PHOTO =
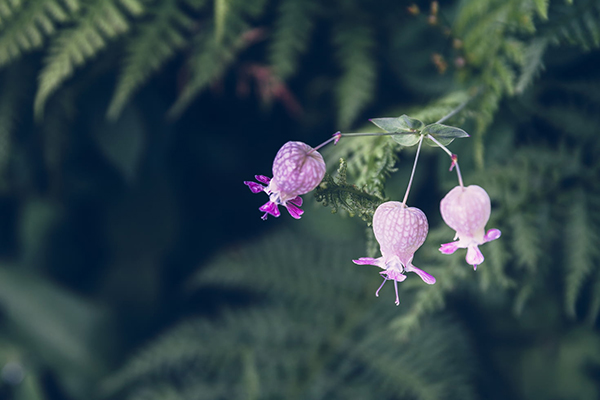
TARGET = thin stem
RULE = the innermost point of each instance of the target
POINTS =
(453, 112)
(412, 174)
(453, 157)
(331, 139)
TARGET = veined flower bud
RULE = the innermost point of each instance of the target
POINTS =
(297, 169)
(467, 211)
(400, 231)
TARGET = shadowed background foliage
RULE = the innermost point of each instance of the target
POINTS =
(133, 261)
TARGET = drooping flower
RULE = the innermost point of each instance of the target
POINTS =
(297, 169)
(400, 231)
(467, 210)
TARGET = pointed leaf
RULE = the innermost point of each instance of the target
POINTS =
(443, 133)
(401, 124)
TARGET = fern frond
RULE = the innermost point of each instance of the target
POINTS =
(210, 59)
(156, 41)
(577, 25)
(581, 248)
(338, 194)
(532, 64)
(291, 33)
(370, 160)
(541, 6)
(594, 308)
(31, 24)
(14, 84)
(102, 21)
(355, 44)
(8, 8)
(526, 240)
(298, 343)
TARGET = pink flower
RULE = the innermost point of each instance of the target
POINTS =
(467, 210)
(297, 169)
(400, 231)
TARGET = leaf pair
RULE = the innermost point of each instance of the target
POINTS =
(409, 131)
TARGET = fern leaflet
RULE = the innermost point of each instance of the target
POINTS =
(30, 25)
(156, 42)
(291, 33)
(102, 21)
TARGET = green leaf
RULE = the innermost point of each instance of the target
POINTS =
(403, 123)
(442, 133)
(407, 139)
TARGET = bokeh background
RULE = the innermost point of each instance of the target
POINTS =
(133, 260)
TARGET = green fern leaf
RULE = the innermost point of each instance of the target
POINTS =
(290, 35)
(338, 194)
(579, 25)
(581, 241)
(101, 22)
(8, 8)
(541, 6)
(526, 240)
(30, 25)
(354, 50)
(298, 343)
(532, 65)
(155, 43)
(207, 65)
(594, 308)
(221, 9)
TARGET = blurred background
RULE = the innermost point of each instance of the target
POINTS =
(133, 260)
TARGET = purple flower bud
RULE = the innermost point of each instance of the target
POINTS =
(297, 169)
(467, 210)
(400, 231)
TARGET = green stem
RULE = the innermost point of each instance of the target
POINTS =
(453, 157)
(412, 174)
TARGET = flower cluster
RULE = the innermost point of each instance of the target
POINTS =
(400, 230)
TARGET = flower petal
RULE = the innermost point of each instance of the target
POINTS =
(369, 261)
(492, 234)
(427, 278)
(449, 248)
(262, 178)
(294, 211)
(296, 200)
(270, 208)
(474, 256)
(254, 187)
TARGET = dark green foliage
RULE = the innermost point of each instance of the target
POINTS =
(105, 197)
(296, 344)
(338, 194)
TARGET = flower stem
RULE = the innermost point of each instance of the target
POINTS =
(453, 157)
(412, 174)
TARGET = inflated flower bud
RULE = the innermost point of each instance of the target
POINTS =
(297, 169)
(400, 231)
(467, 210)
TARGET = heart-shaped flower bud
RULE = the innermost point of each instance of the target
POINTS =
(467, 210)
(297, 169)
(400, 231)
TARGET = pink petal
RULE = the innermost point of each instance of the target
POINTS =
(427, 278)
(294, 211)
(270, 208)
(365, 261)
(296, 200)
(474, 256)
(262, 178)
(492, 234)
(449, 248)
(254, 187)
